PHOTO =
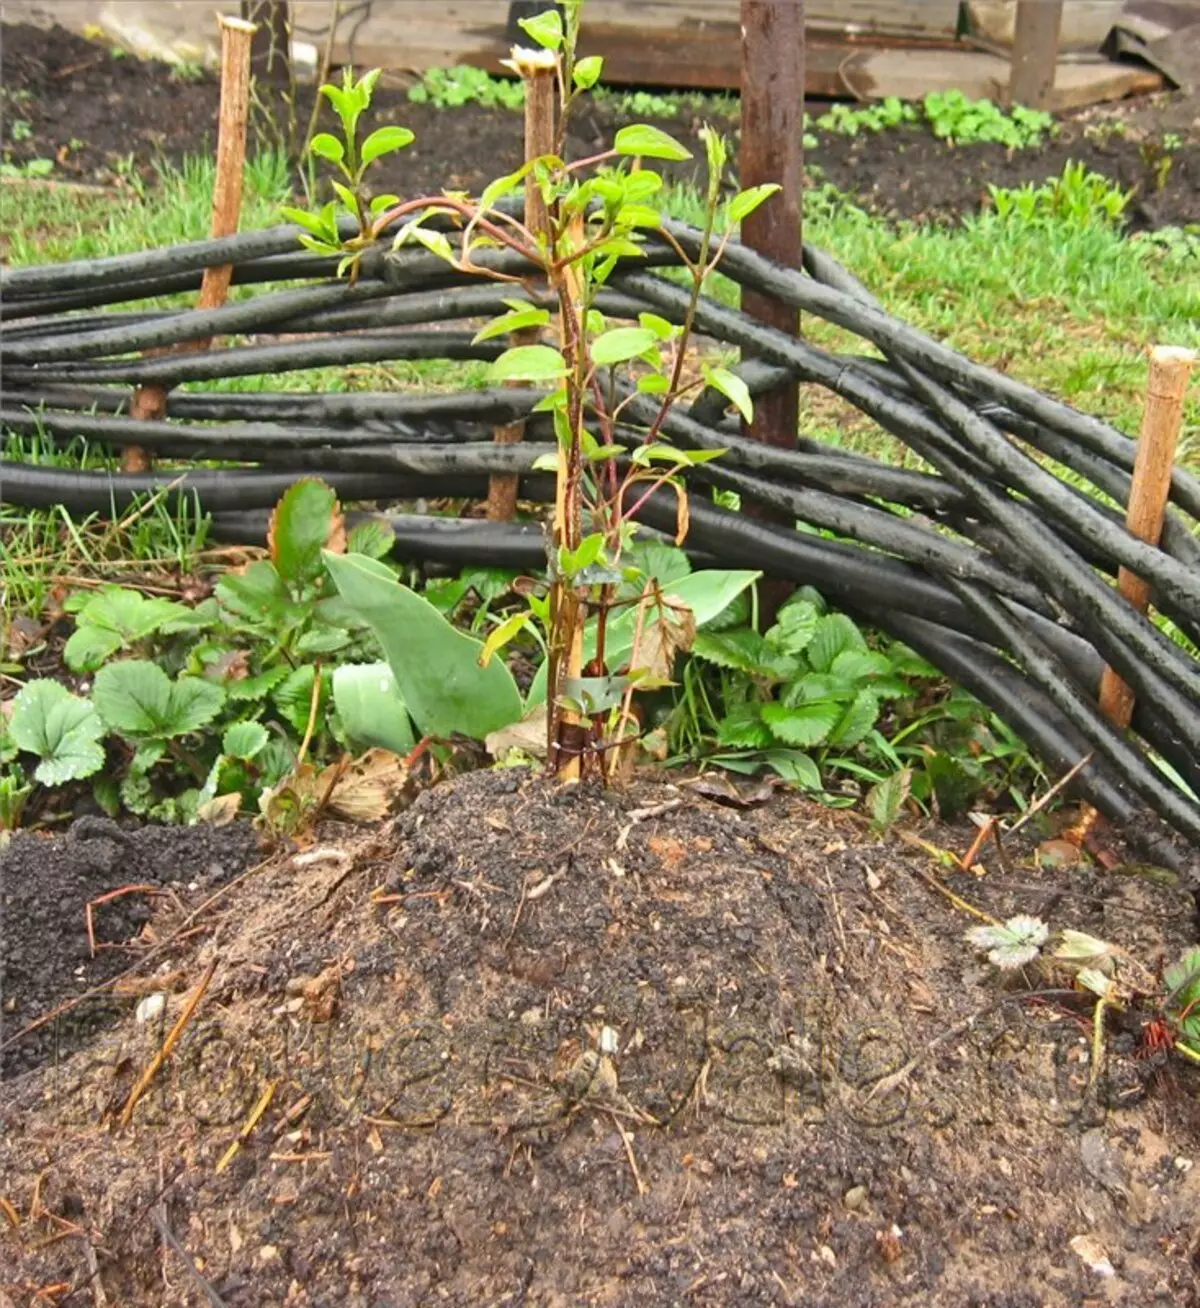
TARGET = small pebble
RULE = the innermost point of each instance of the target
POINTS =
(855, 1197)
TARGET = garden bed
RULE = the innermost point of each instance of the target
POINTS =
(419, 1011)
(94, 115)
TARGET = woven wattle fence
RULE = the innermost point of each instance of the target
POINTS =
(994, 567)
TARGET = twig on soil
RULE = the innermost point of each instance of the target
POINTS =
(627, 1141)
(159, 1218)
(93, 1266)
(104, 899)
(641, 814)
(168, 1044)
(956, 900)
(251, 1122)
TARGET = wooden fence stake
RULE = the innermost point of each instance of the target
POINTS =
(1166, 391)
(1035, 53)
(540, 90)
(236, 38)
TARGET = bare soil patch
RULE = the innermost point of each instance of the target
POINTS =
(533, 1046)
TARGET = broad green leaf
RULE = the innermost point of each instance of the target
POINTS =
(733, 388)
(546, 28)
(138, 699)
(744, 729)
(805, 725)
(530, 316)
(745, 202)
(113, 619)
(323, 640)
(244, 739)
(653, 383)
(436, 666)
(61, 729)
(256, 596)
(250, 689)
(587, 72)
(383, 140)
(529, 363)
(835, 632)
(795, 626)
(316, 224)
(371, 709)
(742, 649)
(89, 647)
(383, 202)
(328, 147)
(622, 343)
(650, 142)
(860, 665)
(306, 520)
(659, 326)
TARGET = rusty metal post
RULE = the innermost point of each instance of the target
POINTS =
(1035, 53)
(772, 151)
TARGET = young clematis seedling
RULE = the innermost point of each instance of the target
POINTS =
(589, 215)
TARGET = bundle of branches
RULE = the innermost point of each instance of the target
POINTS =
(995, 567)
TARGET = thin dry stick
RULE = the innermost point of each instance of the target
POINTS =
(159, 1217)
(150, 402)
(251, 1122)
(1036, 807)
(538, 71)
(168, 1045)
(1166, 390)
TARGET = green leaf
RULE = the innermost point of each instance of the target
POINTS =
(384, 140)
(742, 649)
(886, 798)
(328, 147)
(857, 720)
(323, 640)
(834, 633)
(314, 223)
(659, 326)
(530, 316)
(794, 767)
(244, 739)
(546, 28)
(532, 363)
(650, 142)
(139, 700)
(436, 666)
(304, 521)
(371, 708)
(250, 689)
(89, 647)
(294, 695)
(383, 202)
(805, 725)
(860, 665)
(115, 618)
(744, 729)
(61, 729)
(501, 635)
(587, 72)
(257, 596)
(373, 537)
(745, 202)
(733, 388)
(795, 626)
(622, 343)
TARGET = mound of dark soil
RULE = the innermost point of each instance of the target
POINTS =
(46, 884)
(536, 1046)
(90, 112)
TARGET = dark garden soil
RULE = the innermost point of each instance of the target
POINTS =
(89, 111)
(526, 1045)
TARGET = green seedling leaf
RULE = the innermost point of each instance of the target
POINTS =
(293, 697)
(502, 634)
(251, 689)
(529, 316)
(587, 72)
(63, 730)
(745, 202)
(653, 383)
(546, 29)
(436, 666)
(243, 740)
(115, 618)
(744, 729)
(306, 520)
(742, 649)
(384, 140)
(887, 798)
(381, 203)
(137, 699)
(659, 326)
(806, 725)
(532, 363)
(1010, 944)
(856, 720)
(371, 708)
(545, 463)
(328, 147)
(650, 142)
(373, 537)
(794, 767)
(322, 224)
(621, 344)
(835, 632)
(795, 626)
(733, 388)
